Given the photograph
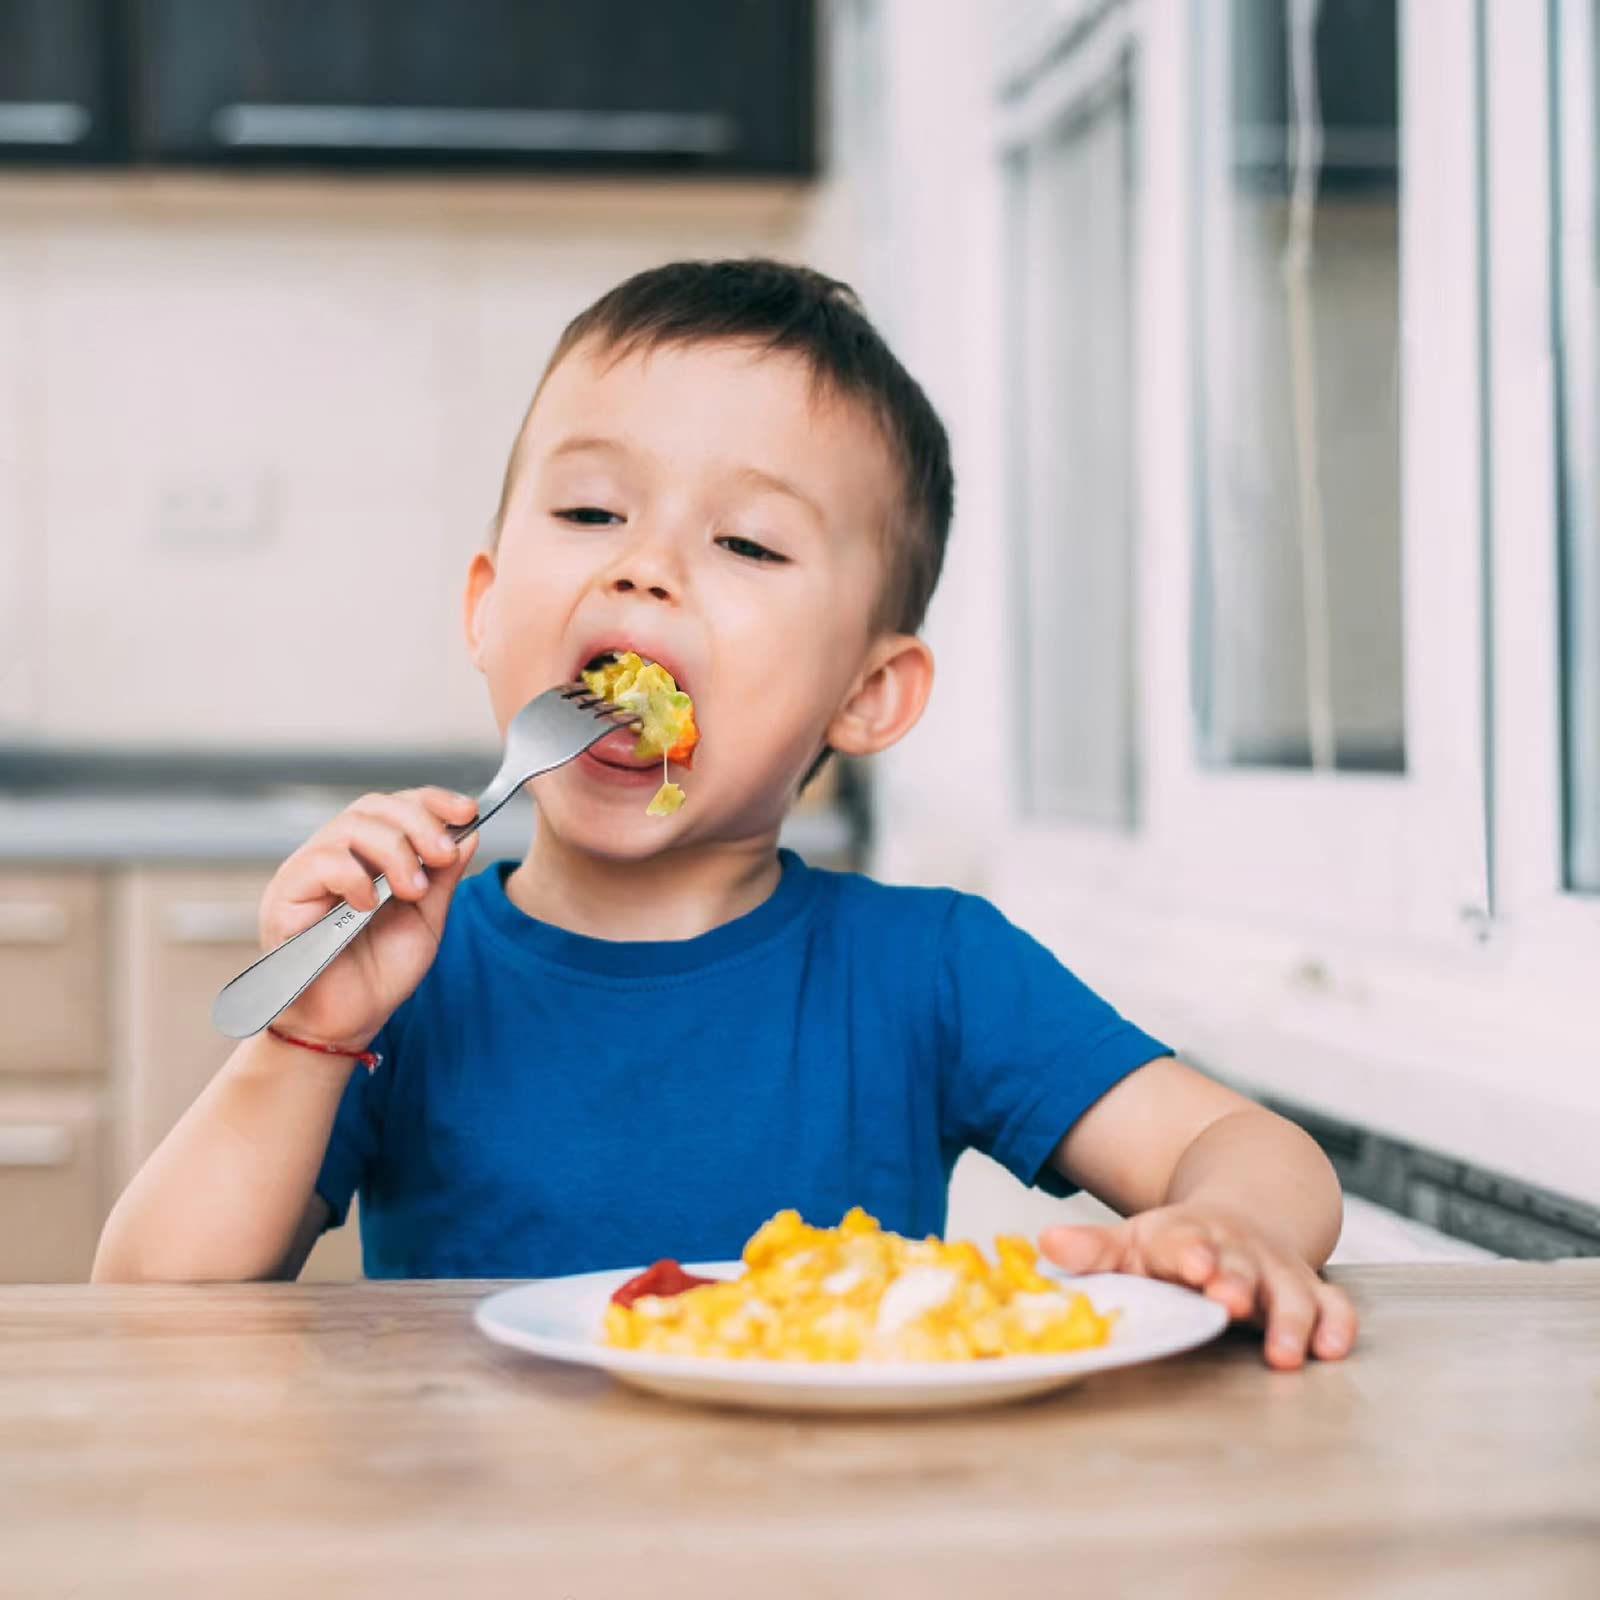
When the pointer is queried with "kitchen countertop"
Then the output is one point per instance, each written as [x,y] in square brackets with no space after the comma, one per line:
[364,1440]
[180,827]
[68,805]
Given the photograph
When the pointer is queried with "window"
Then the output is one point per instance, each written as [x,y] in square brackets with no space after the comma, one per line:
[1203,456]
[1069,307]
[1578,314]
[1367,868]
[1297,634]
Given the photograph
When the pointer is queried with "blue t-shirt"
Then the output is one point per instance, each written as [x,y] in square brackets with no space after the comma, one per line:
[550,1103]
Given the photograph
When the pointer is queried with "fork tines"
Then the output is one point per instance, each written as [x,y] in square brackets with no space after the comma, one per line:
[587,700]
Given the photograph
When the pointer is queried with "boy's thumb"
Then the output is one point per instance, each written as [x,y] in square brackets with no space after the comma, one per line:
[1083,1248]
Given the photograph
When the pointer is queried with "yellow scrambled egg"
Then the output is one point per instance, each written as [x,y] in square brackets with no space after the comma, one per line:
[856,1292]
[666,717]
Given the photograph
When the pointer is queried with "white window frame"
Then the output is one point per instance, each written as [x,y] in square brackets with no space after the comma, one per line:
[1372,853]
[1101,73]
[1353,853]
[1551,934]
[1053,60]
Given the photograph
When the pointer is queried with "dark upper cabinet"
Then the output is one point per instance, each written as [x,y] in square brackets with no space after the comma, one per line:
[60,81]
[709,86]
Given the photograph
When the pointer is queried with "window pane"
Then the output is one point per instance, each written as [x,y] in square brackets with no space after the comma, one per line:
[1071,362]
[1297,625]
[1578,274]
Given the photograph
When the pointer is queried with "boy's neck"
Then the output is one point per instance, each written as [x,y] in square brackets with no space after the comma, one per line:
[676,895]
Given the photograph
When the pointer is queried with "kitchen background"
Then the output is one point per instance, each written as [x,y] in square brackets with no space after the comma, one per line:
[1269,644]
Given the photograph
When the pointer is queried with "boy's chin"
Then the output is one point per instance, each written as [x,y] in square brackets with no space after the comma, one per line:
[612,826]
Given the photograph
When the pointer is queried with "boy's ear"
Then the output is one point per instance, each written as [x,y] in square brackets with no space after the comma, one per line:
[888,698]
[475,604]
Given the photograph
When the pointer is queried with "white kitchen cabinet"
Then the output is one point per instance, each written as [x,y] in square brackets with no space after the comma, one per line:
[52,973]
[53,1052]
[52,1182]
[183,932]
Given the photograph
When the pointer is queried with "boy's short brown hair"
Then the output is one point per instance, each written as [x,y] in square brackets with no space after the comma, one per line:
[782,307]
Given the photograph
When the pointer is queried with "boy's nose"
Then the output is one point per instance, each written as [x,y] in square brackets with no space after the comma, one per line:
[650,567]
[658,591]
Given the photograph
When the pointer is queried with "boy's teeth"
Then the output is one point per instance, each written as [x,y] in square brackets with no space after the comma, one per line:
[606,657]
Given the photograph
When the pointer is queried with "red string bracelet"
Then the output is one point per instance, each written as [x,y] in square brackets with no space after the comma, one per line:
[370,1059]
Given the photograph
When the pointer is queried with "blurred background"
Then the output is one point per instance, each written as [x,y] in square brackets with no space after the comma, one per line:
[1269,641]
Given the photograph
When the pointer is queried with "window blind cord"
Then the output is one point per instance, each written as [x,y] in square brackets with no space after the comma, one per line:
[1305,163]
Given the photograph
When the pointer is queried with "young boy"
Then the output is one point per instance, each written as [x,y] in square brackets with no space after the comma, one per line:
[652,1032]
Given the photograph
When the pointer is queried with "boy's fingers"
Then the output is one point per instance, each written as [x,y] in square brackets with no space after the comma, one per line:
[1336,1324]
[1085,1248]
[446,804]
[1179,1251]
[407,815]
[329,870]
[1235,1282]
[384,848]
[1291,1311]
[442,884]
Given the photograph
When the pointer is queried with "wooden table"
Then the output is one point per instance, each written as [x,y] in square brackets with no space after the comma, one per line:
[364,1440]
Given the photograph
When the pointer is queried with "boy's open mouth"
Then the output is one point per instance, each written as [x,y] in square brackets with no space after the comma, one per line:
[593,660]
[616,751]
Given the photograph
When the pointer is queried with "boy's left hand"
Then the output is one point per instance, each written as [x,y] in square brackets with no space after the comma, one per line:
[1229,1259]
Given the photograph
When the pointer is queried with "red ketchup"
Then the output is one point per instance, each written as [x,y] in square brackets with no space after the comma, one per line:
[664,1278]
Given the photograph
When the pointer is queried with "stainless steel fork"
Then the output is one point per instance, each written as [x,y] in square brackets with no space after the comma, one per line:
[552,729]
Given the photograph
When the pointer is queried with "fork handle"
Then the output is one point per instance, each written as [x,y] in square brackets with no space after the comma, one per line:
[273,983]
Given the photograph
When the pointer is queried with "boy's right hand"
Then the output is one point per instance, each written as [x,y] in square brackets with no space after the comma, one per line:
[368,979]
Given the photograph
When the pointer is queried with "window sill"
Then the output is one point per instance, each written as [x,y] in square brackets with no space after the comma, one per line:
[1462,1051]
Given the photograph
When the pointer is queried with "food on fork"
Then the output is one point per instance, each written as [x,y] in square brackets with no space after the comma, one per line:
[857,1293]
[666,716]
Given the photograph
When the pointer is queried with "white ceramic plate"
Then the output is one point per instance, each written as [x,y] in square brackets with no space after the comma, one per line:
[560,1319]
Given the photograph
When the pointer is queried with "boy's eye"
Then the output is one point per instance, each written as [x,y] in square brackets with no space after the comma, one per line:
[588,516]
[749,549]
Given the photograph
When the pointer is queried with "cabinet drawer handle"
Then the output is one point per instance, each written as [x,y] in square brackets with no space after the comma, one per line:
[333,127]
[44,122]
[212,922]
[33,922]
[35,1144]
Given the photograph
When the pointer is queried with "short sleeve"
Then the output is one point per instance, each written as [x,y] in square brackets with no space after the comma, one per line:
[1028,1047]
[357,1130]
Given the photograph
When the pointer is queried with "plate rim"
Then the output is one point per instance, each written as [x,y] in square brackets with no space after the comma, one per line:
[996,1370]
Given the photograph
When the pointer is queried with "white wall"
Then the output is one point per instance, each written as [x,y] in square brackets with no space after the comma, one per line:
[250,432]
[935,290]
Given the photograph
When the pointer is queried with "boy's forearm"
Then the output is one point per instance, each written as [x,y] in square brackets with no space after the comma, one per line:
[1263,1166]
[222,1196]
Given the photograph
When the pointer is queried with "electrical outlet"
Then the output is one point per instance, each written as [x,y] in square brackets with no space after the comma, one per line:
[221,512]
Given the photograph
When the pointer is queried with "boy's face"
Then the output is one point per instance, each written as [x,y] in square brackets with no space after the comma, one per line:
[701,505]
